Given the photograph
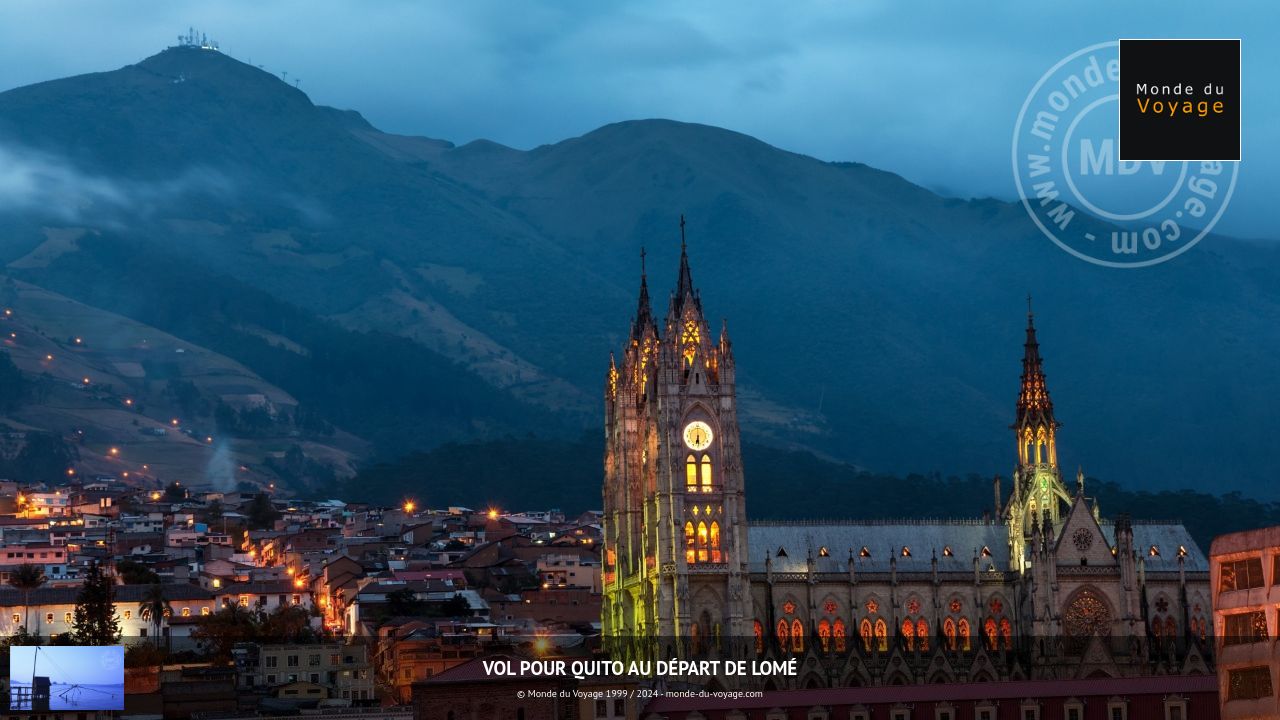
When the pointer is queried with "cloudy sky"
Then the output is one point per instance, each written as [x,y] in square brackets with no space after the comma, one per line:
[926,89]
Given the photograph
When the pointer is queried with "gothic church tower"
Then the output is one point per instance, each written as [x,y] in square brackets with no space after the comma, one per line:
[675,575]
[1039,497]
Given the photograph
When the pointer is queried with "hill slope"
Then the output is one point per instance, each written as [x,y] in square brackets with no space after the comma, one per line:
[874,321]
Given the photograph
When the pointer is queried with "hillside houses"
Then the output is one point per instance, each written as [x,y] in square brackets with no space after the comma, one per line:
[418,591]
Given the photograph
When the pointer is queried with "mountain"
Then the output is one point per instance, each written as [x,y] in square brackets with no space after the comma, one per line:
[875,322]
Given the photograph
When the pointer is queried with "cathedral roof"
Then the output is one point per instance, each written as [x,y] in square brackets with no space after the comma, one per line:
[882,541]
[799,540]
[1166,538]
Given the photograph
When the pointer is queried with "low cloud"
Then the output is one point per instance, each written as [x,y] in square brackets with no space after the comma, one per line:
[39,183]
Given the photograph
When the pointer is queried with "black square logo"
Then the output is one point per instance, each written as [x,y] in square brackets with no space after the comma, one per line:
[1179,99]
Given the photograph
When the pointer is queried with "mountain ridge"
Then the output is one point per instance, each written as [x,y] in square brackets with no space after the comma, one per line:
[875,321]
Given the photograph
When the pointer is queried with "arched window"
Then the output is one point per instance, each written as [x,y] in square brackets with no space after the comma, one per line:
[909,634]
[784,633]
[1170,628]
[706,473]
[1006,632]
[882,635]
[949,631]
[797,635]
[824,635]
[922,635]
[702,542]
[991,633]
[965,644]
[837,629]
[715,541]
[759,631]
[689,550]
[864,631]
[691,473]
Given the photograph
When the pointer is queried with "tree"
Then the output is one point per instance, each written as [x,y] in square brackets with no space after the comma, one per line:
[155,609]
[262,514]
[287,624]
[219,632]
[135,573]
[94,621]
[173,493]
[27,577]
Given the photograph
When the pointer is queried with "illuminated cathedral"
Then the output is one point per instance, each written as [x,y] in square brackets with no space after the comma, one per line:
[1045,588]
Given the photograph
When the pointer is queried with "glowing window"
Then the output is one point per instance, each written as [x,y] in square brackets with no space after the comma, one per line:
[864,631]
[909,634]
[991,633]
[964,635]
[691,473]
[784,633]
[689,550]
[922,635]
[837,630]
[706,473]
[882,635]
[797,636]
[759,632]
[949,630]
[186,612]
[864,552]
[715,542]
[1006,632]
[824,635]
[702,542]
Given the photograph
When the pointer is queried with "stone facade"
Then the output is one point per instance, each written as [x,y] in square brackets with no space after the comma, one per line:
[1046,588]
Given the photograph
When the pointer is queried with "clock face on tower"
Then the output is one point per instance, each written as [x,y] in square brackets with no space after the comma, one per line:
[697,435]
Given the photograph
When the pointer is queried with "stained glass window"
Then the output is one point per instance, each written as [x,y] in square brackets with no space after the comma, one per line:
[949,631]
[1006,632]
[830,607]
[706,473]
[1087,615]
[715,542]
[702,542]
[991,633]
[882,635]
[824,635]
[909,635]
[759,632]
[922,635]
[690,553]
[691,474]
[797,636]
[864,631]
[784,632]
[837,630]
[965,643]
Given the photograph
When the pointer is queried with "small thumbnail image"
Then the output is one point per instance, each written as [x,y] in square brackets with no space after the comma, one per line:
[44,679]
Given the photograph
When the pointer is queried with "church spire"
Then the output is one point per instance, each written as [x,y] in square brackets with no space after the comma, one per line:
[1034,404]
[644,311]
[684,293]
